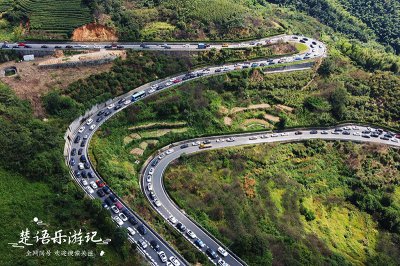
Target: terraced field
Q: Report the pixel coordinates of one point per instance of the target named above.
(59, 17)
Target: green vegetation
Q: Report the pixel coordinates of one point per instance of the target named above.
(34, 182)
(295, 204)
(46, 19)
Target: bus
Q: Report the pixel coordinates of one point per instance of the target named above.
(138, 95)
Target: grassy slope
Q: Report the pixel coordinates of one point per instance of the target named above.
(265, 186)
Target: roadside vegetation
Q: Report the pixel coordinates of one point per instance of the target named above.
(303, 203)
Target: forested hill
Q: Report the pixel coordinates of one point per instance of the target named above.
(361, 19)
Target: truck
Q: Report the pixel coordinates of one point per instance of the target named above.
(205, 146)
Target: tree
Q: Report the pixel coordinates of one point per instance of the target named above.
(338, 100)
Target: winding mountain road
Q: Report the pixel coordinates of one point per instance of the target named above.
(82, 129)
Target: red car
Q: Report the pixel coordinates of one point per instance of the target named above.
(177, 80)
(398, 136)
(119, 205)
(100, 183)
(21, 44)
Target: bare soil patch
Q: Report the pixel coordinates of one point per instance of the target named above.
(227, 121)
(94, 33)
(271, 118)
(250, 107)
(282, 107)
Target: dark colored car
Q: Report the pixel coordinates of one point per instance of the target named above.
(313, 132)
(99, 119)
(90, 174)
(86, 165)
(132, 220)
(181, 227)
(28, 46)
(108, 201)
(83, 159)
(152, 195)
(77, 173)
(113, 198)
(184, 146)
(44, 46)
(366, 132)
(211, 253)
(207, 141)
(154, 163)
(298, 133)
(101, 193)
(80, 151)
(73, 152)
(77, 139)
(154, 244)
(72, 162)
(106, 190)
(107, 113)
(83, 143)
(58, 47)
(346, 133)
(142, 230)
(126, 212)
(84, 174)
(68, 46)
(100, 113)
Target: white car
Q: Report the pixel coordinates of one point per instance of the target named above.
(127, 102)
(151, 171)
(355, 128)
(274, 135)
(174, 261)
(356, 134)
(221, 262)
(395, 140)
(131, 231)
(81, 166)
(148, 178)
(111, 106)
(162, 256)
(93, 184)
(168, 84)
(89, 189)
(90, 120)
(162, 155)
(172, 80)
(172, 219)
(284, 134)
(149, 187)
(324, 132)
(169, 151)
(191, 234)
(84, 46)
(118, 220)
(84, 182)
(157, 203)
(96, 47)
(151, 91)
(86, 136)
(264, 136)
(222, 251)
(253, 138)
(115, 209)
(142, 243)
(197, 143)
(92, 127)
(81, 129)
(123, 217)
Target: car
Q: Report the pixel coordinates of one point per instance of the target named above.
(324, 132)
(114, 209)
(77, 173)
(83, 159)
(84, 174)
(356, 134)
(77, 139)
(346, 132)
(44, 46)
(161, 156)
(253, 138)
(84, 182)
(197, 143)
(152, 195)
(99, 119)
(86, 136)
(72, 162)
(127, 102)
(149, 187)
(157, 203)
(107, 113)
(169, 151)
(80, 151)
(81, 166)
(93, 184)
(90, 174)
(211, 253)
(366, 136)
(105, 206)
(92, 127)
(395, 140)
(113, 197)
(221, 262)
(222, 251)
(132, 220)
(366, 132)
(123, 217)
(101, 112)
(83, 143)
(119, 205)
(191, 234)
(199, 243)
(106, 189)
(264, 136)
(101, 193)
(126, 212)
(73, 152)
(100, 183)
(131, 231)
(142, 243)
(174, 261)
(28, 46)
(108, 201)
(81, 129)
(142, 230)
(162, 256)
(68, 46)
(86, 165)
(231, 139)
(313, 132)
(117, 107)
(298, 133)
(89, 121)
(154, 244)
(111, 106)
(89, 189)
(151, 171)
(118, 220)
(154, 162)
(384, 138)
(181, 227)
(274, 135)
(172, 219)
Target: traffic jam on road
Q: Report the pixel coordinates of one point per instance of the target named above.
(138, 230)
